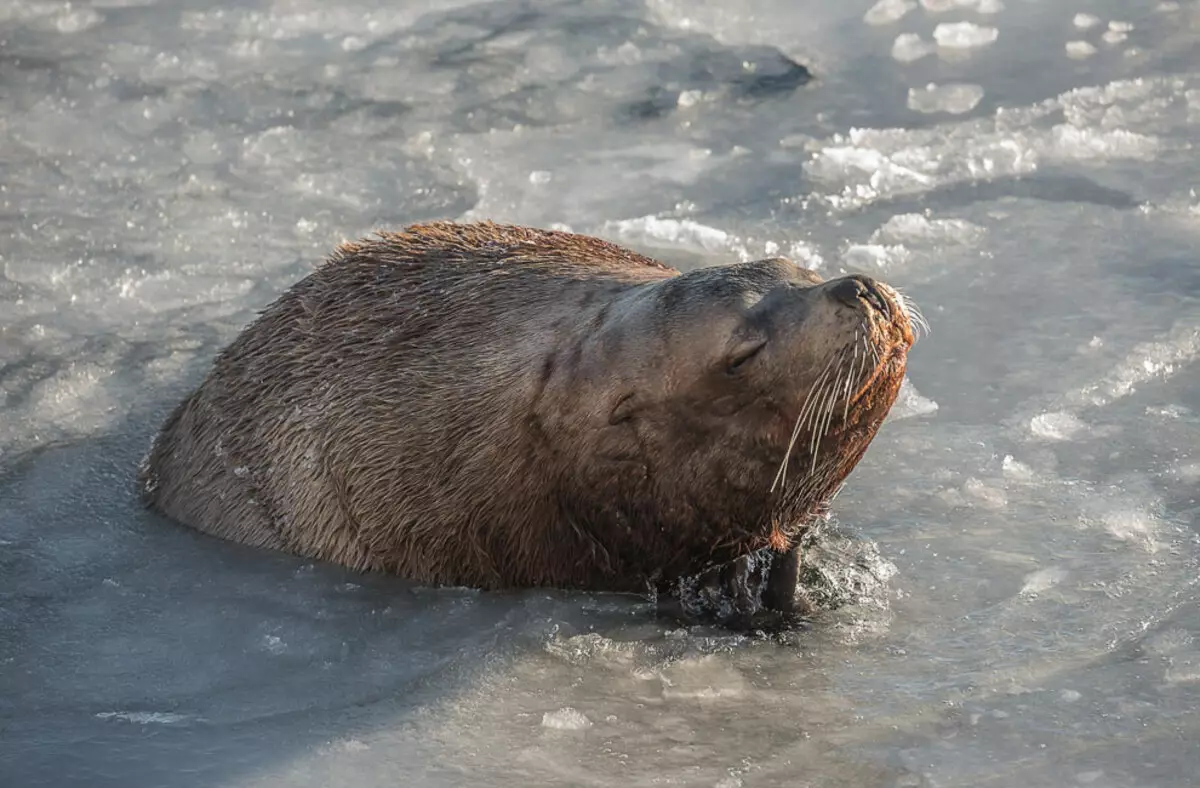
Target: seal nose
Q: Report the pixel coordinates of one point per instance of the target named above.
(855, 289)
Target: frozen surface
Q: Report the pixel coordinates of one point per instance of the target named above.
(167, 167)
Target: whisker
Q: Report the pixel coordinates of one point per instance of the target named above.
(849, 380)
(823, 429)
(814, 439)
(781, 474)
(915, 316)
(824, 417)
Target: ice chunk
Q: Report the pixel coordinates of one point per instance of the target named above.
(144, 717)
(883, 174)
(984, 494)
(78, 20)
(1079, 50)
(1117, 32)
(1188, 472)
(874, 255)
(803, 254)
(910, 402)
(964, 35)
(1042, 580)
(978, 6)
(885, 12)
(954, 98)
(914, 228)
(910, 47)
(274, 644)
(1072, 142)
(1132, 525)
(1015, 469)
(1161, 358)
(1085, 21)
(1171, 411)
(673, 232)
(566, 719)
(1059, 426)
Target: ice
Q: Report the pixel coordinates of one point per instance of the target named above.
(886, 12)
(1079, 50)
(915, 228)
(1113, 37)
(1058, 426)
(978, 6)
(77, 21)
(143, 717)
(566, 719)
(964, 35)
(1132, 526)
(1015, 469)
(954, 98)
(1043, 580)
(1009, 577)
(910, 403)
(910, 47)
(874, 256)
(685, 233)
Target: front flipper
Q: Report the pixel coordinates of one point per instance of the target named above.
(780, 593)
(752, 592)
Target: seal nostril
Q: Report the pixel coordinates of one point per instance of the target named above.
(853, 290)
(848, 290)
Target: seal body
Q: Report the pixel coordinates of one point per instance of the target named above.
(502, 407)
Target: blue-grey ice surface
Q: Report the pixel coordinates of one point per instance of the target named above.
(1025, 170)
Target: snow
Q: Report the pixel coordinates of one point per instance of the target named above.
(1017, 556)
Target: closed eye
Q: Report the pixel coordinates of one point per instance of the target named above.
(743, 353)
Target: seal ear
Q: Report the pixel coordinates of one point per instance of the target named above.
(621, 444)
(624, 410)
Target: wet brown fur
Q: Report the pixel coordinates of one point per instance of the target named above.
(499, 406)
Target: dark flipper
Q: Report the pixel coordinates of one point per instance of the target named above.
(780, 593)
(755, 591)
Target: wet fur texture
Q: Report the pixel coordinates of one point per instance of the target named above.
(504, 407)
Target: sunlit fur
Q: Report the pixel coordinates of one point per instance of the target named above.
(499, 406)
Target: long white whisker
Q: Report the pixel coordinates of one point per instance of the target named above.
(822, 418)
(823, 425)
(849, 382)
(781, 474)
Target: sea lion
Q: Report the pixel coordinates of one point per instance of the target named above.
(504, 407)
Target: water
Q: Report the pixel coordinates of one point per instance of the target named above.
(1028, 178)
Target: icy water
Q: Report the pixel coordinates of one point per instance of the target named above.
(1024, 170)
